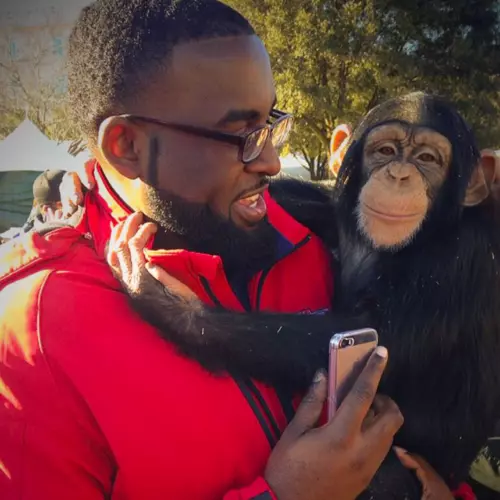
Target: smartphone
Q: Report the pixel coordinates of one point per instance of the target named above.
(349, 352)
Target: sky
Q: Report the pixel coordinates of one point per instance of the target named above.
(35, 12)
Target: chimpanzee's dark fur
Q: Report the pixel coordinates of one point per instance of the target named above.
(435, 304)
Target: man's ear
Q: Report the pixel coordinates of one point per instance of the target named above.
(483, 177)
(338, 146)
(118, 144)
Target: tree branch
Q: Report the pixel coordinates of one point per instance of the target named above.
(318, 132)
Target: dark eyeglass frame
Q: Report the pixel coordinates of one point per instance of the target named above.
(238, 140)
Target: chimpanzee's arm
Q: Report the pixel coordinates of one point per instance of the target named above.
(279, 349)
(283, 350)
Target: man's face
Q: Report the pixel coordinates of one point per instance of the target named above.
(200, 185)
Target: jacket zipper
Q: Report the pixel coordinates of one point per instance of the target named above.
(210, 293)
(285, 398)
(249, 390)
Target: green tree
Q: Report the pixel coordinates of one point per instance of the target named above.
(335, 59)
(33, 85)
(451, 47)
(322, 55)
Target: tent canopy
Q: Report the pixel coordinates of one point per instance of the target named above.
(28, 149)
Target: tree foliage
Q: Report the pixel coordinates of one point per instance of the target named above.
(33, 85)
(335, 59)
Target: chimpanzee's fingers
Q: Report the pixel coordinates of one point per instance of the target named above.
(112, 257)
(137, 243)
(122, 250)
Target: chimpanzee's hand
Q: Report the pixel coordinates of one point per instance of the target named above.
(434, 488)
(128, 261)
(73, 185)
(336, 461)
(52, 215)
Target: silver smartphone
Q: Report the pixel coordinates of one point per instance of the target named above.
(349, 352)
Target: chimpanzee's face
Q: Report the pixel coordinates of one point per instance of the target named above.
(404, 167)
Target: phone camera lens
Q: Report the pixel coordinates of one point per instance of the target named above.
(347, 342)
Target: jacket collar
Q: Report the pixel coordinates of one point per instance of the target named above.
(104, 209)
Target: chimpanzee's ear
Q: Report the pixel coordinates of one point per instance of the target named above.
(483, 177)
(338, 146)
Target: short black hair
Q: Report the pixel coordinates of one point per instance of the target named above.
(116, 45)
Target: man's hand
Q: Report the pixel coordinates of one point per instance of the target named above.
(72, 187)
(434, 488)
(336, 461)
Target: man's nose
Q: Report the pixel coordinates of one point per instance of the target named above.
(267, 163)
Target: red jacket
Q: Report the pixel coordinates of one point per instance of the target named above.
(94, 404)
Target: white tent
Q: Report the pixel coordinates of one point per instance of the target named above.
(28, 149)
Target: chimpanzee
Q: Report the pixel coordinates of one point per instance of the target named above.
(416, 244)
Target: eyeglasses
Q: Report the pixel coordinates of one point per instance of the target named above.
(250, 145)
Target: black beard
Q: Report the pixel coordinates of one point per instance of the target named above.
(202, 230)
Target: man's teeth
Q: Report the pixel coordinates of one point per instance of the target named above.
(251, 201)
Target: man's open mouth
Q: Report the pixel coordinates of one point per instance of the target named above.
(251, 208)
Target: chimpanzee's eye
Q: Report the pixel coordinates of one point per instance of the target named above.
(427, 158)
(387, 151)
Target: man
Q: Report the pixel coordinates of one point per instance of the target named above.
(95, 403)
(47, 205)
(175, 99)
